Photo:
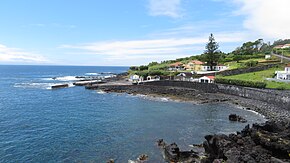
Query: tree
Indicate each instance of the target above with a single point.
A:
(212, 52)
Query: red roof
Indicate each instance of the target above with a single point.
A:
(279, 46)
(211, 77)
(197, 62)
(288, 65)
(176, 64)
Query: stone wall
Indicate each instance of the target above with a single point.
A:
(205, 87)
(276, 97)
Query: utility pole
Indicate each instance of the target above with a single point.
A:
(282, 56)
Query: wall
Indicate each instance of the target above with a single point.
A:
(205, 87)
(276, 97)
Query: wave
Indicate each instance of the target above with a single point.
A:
(92, 73)
(66, 78)
(154, 98)
(100, 92)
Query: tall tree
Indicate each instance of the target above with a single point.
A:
(212, 52)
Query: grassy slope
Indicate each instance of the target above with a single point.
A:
(261, 76)
(241, 64)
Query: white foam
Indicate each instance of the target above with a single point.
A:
(92, 73)
(100, 92)
(153, 98)
(66, 78)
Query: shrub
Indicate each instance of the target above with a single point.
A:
(281, 87)
(142, 73)
(141, 68)
(134, 68)
(251, 63)
(245, 83)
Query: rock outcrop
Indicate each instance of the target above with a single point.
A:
(268, 142)
(237, 118)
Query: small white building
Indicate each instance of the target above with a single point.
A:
(153, 78)
(205, 68)
(134, 78)
(283, 75)
(206, 79)
(219, 67)
(267, 56)
(184, 76)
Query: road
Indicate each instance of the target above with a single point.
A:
(280, 56)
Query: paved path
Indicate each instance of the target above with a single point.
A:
(280, 56)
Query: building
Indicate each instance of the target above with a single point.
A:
(194, 65)
(205, 68)
(286, 46)
(282, 46)
(206, 79)
(184, 76)
(267, 56)
(219, 67)
(176, 66)
(283, 75)
(153, 78)
(278, 47)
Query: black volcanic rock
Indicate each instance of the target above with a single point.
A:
(268, 142)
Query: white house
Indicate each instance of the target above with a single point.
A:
(136, 79)
(283, 75)
(205, 68)
(219, 67)
(206, 79)
(184, 76)
(153, 78)
(267, 56)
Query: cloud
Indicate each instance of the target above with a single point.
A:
(268, 18)
(151, 49)
(17, 55)
(170, 8)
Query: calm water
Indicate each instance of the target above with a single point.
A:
(77, 125)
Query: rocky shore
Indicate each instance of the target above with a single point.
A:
(270, 111)
(269, 142)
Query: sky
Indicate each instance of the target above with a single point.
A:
(131, 32)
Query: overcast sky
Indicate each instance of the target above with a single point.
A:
(131, 32)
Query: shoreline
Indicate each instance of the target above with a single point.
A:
(269, 111)
(266, 142)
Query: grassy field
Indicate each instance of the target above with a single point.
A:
(261, 76)
(241, 64)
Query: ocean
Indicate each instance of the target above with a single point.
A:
(39, 124)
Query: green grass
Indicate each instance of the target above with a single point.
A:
(261, 77)
(241, 64)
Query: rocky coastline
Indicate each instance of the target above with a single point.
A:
(270, 111)
(269, 142)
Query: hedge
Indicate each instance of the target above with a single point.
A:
(245, 83)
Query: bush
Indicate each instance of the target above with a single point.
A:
(141, 68)
(142, 73)
(134, 68)
(245, 83)
(251, 63)
(281, 87)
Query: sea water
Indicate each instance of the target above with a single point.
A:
(39, 124)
